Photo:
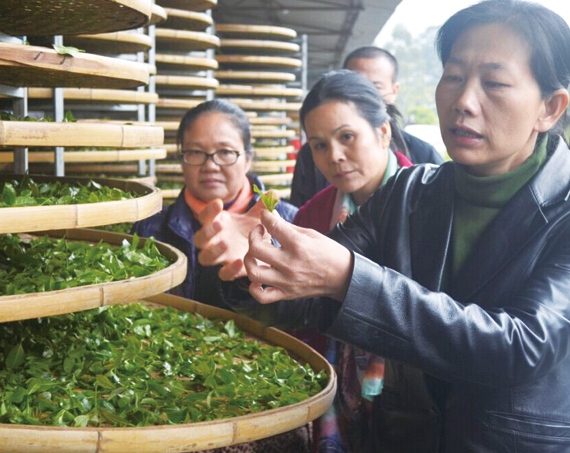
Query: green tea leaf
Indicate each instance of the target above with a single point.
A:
(67, 50)
(268, 199)
(16, 357)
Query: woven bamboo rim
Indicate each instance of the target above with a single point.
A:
(111, 43)
(22, 65)
(273, 151)
(255, 31)
(284, 178)
(98, 95)
(164, 103)
(188, 437)
(70, 17)
(187, 20)
(273, 120)
(258, 46)
(255, 76)
(39, 134)
(165, 125)
(125, 155)
(169, 168)
(123, 169)
(248, 104)
(272, 165)
(259, 61)
(38, 218)
(259, 91)
(167, 38)
(190, 5)
(187, 82)
(189, 63)
(158, 16)
(273, 133)
(170, 193)
(39, 305)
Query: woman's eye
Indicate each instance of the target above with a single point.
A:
(225, 152)
(493, 84)
(347, 137)
(193, 153)
(317, 146)
(451, 78)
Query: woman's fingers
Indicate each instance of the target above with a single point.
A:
(206, 233)
(265, 294)
(232, 271)
(212, 209)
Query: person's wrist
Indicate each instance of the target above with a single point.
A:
(340, 275)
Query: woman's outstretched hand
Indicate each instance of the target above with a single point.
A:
(308, 264)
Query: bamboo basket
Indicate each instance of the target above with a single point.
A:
(96, 95)
(39, 218)
(273, 133)
(70, 17)
(22, 65)
(255, 61)
(126, 155)
(158, 16)
(187, 437)
(111, 43)
(185, 40)
(254, 76)
(255, 31)
(187, 62)
(273, 153)
(186, 82)
(190, 5)
(270, 120)
(248, 104)
(284, 178)
(184, 104)
(256, 46)
(187, 20)
(41, 134)
(39, 305)
(258, 91)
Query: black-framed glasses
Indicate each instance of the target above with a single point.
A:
(223, 157)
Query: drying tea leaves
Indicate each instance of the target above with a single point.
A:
(26, 192)
(45, 264)
(132, 365)
(67, 50)
(267, 199)
(123, 228)
(6, 116)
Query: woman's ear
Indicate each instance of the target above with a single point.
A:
(386, 134)
(554, 108)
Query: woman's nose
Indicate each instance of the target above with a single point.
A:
(336, 152)
(467, 100)
(210, 165)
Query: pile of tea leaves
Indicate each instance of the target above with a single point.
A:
(45, 264)
(135, 365)
(26, 192)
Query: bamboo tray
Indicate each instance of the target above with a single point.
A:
(190, 5)
(130, 155)
(272, 165)
(259, 91)
(248, 104)
(187, 82)
(158, 16)
(255, 61)
(164, 103)
(273, 153)
(187, 20)
(254, 76)
(188, 63)
(271, 120)
(22, 65)
(284, 178)
(167, 38)
(70, 17)
(255, 31)
(273, 133)
(40, 134)
(187, 437)
(38, 218)
(97, 95)
(111, 43)
(39, 305)
(256, 46)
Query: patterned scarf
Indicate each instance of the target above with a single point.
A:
(238, 205)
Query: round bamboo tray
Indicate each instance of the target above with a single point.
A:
(187, 20)
(97, 95)
(187, 82)
(40, 134)
(271, 120)
(164, 103)
(273, 133)
(47, 157)
(22, 65)
(256, 46)
(169, 39)
(254, 76)
(150, 180)
(188, 63)
(248, 104)
(171, 193)
(111, 43)
(187, 437)
(70, 17)
(258, 91)
(123, 169)
(273, 153)
(254, 61)
(255, 31)
(169, 168)
(190, 5)
(38, 218)
(39, 305)
(272, 165)
(158, 16)
(284, 178)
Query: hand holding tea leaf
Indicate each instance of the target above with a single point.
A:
(268, 198)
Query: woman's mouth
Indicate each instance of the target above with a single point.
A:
(465, 136)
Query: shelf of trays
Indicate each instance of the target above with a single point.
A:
(187, 20)
(189, 5)
(248, 31)
(185, 62)
(180, 82)
(258, 62)
(263, 91)
(96, 95)
(257, 47)
(22, 66)
(258, 77)
(187, 437)
(118, 155)
(69, 17)
(266, 105)
(116, 43)
(184, 40)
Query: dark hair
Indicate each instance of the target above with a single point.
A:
(373, 52)
(232, 111)
(546, 33)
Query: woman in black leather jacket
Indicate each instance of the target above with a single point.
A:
(459, 275)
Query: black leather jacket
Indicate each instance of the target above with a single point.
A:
(485, 367)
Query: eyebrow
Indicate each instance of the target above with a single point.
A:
(492, 65)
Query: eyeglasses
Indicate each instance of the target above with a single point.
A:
(222, 158)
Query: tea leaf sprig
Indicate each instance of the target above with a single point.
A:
(267, 199)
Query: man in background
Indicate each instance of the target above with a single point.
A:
(381, 68)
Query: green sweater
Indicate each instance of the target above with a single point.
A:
(478, 199)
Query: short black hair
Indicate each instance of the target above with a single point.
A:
(373, 52)
(232, 111)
